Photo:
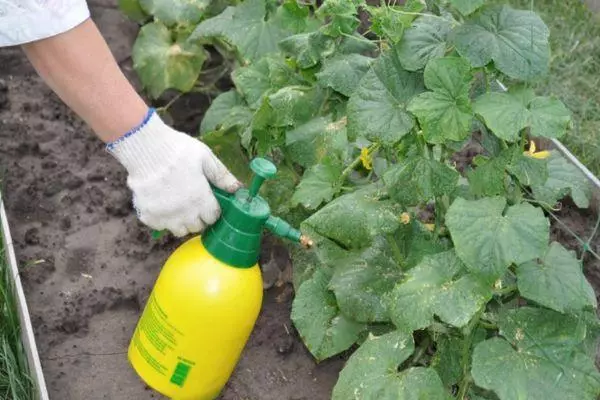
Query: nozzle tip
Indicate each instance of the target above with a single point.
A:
(306, 241)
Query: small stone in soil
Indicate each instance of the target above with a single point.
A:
(285, 345)
(32, 236)
(95, 177)
(49, 164)
(3, 94)
(65, 223)
(52, 188)
(74, 183)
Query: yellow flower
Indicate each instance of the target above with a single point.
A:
(536, 154)
(366, 159)
(405, 218)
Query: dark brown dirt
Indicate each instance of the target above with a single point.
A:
(88, 265)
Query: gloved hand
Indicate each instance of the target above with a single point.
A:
(169, 174)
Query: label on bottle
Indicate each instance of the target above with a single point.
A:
(155, 337)
(182, 370)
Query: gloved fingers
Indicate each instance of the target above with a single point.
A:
(208, 208)
(194, 225)
(218, 174)
(177, 229)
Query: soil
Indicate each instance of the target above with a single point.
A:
(88, 265)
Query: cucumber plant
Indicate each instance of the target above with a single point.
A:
(407, 150)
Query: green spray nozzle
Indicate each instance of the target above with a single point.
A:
(235, 238)
(263, 169)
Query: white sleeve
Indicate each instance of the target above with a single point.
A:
(23, 21)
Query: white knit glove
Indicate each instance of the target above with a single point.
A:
(169, 174)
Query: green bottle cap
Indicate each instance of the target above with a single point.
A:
(236, 237)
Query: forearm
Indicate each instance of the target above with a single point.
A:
(79, 67)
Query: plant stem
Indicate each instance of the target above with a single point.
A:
(418, 14)
(438, 212)
(170, 103)
(487, 79)
(523, 139)
(395, 249)
(465, 357)
(325, 102)
(488, 325)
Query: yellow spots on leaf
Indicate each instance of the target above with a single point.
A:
(405, 218)
(519, 335)
(429, 227)
(366, 159)
(536, 154)
(337, 125)
(498, 284)
(175, 50)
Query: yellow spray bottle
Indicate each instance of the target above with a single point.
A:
(207, 298)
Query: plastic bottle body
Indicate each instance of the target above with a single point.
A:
(196, 323)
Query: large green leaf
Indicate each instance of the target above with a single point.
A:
(264, 77)
(415, 241)
(488, 178)
(372, 373)
(528, 170)
(563, 179)
(323, 329)
(542, 331)
(354, 219)
(540, 358)
(419, 179)
(342, 16)
(176, 12)
(248, 27)
(425, 40)
(437, 286)
(310, 143)
(342, 72)
(318, 185)
(377, 108)
(325, 254)
(467, 7)
(447, 360)
(489, 238)
(163, 63)
(445, 113)
(360, 282)
(292, 105)
(308, 49)
(355, 44)
(556, 281)
(448, 357)
(507, 113)
(228, 110)
(515, 40)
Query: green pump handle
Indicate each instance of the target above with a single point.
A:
(263, 169)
